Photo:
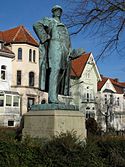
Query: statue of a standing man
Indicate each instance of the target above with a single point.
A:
(55, 48)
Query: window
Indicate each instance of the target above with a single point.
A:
(34, 56)
(19, 53)
(43, 101)
(30, 55)
(10, 123)
(87, 97)
(91, 94)
(8, 100)
(1, 100)
(118, 101)
(31, 79)
(87, 115)
(18, 77)
(87, 112)
(16, 101)
(3, 72)
(105, 99)
(111, 99)
(87, 74)
(30, 103)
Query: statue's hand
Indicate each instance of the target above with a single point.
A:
(46, 39)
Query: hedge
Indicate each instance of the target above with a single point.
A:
(64, 150)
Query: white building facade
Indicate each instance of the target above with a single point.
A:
(111, 104)
(84, 79)
(9, 100)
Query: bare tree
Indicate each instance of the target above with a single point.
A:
(106, 108)
(105, 18)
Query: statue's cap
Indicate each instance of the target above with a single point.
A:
(56, 7)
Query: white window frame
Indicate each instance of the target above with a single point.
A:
(13, 101)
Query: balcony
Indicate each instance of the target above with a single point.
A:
(88, 100)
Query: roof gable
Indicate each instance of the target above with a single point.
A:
(18, 35)
(109, 85)
(78, 65)
(92, 62)
(118, 86)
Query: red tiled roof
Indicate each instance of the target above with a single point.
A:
(78, 65)
(117, 85)
(118, 89)
(18, 35)
(101, 83)
(1, 36)
(4, 49)
(122, 83)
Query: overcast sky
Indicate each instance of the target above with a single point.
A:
(26, 12)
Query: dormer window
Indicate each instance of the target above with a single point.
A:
(90, 60)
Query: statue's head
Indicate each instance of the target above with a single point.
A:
(57, 10)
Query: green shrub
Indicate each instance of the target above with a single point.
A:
(64, 150)
(92, 127)
(112, 150)
(67, 150)
(7, 133)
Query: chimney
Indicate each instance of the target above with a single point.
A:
(116, 79)
(101, 75)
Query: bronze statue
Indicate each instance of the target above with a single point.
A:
(55, 51)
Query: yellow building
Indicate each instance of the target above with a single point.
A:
(25, 66)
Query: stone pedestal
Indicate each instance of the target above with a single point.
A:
(47, 123)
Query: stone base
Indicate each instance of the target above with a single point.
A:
(46, 124)
(53, 106)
